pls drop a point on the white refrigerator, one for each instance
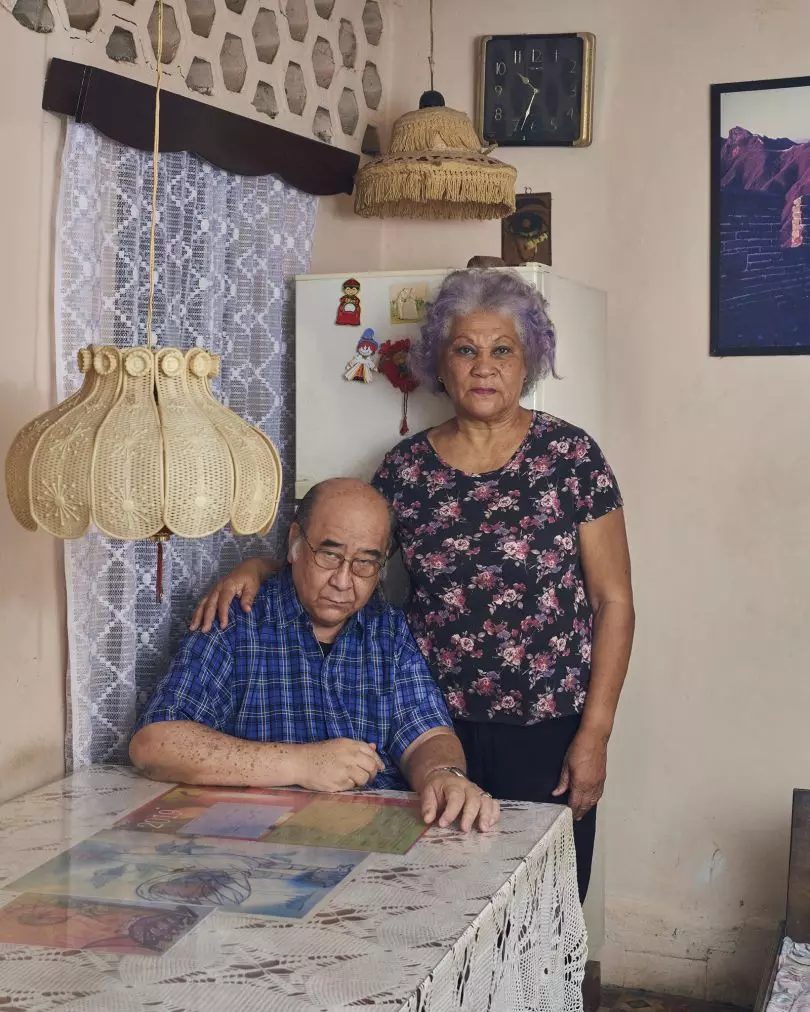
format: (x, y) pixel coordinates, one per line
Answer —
(344, 427)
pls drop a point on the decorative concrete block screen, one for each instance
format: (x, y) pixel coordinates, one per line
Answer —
(314, 67)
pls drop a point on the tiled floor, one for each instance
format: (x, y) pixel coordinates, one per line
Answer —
(614, 1000)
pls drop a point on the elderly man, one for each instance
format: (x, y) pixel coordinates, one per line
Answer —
(320, 685)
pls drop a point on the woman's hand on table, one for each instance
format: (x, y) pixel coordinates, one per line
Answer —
(242, 582)
(583, 773)
(447, 797)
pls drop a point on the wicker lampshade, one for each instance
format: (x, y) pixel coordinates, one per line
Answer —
(435, 168)
(143, 450)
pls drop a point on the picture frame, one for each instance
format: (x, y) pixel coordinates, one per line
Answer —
(526, 234)
(760, 217)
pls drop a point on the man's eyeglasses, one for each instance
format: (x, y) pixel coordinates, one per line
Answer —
(326, 558)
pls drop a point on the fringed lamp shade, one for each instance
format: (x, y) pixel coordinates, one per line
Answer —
(435, 168)
(143, 450)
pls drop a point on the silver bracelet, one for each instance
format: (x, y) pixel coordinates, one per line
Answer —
(449, 769)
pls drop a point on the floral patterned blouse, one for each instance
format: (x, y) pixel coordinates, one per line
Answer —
(498, 604)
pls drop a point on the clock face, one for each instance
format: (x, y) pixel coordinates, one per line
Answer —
(536, 89)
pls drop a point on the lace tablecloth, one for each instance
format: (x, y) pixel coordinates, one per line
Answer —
(791, 986)
(479, 922)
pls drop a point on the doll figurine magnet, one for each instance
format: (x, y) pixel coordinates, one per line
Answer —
(348, 312)
(362, 365)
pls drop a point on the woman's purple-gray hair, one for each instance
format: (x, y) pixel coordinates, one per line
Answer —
(492, 291)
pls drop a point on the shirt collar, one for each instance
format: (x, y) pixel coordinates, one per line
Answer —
(291, 610)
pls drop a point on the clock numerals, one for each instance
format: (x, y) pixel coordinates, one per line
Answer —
(500, 68)
(498, 90)
(537, 57)
(529, 128)
(518, 54)
(498, 114)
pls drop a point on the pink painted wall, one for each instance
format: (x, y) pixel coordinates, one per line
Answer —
(32, 620)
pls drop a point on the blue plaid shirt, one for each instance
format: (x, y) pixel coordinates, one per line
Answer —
(264, 678)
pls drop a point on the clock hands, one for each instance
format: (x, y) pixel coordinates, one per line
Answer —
(528, 110)
(535, 92)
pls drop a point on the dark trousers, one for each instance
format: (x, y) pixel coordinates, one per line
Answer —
(524, 764)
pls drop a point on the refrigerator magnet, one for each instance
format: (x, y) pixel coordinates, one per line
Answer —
(348, 312)
(407, 303)
(395, 365)
(361, 365)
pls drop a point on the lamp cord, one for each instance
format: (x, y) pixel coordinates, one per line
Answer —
(152, 229)
(155, 149)
(430, 58)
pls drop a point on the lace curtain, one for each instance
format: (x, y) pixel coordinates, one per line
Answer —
(227, 248)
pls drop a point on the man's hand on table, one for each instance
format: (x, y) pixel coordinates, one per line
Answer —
(340, 764)
(447, 797)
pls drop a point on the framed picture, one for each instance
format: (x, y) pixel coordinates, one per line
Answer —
(760, 217)
(407, 303)
(526, 234)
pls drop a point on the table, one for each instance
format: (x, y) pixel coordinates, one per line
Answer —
(786, 981)
(463, 923)
(791, 984)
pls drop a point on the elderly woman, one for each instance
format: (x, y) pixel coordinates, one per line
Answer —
(511, 528)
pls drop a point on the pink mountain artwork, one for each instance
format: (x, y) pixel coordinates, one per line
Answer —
(776, 166)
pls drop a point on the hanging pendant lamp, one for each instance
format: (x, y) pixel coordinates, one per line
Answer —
(436, 167)
(143, 449)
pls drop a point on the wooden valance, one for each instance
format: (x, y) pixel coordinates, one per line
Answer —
(124, 111)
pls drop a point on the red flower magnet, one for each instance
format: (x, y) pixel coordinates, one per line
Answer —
(394, 365)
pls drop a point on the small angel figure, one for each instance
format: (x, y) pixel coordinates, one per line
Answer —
(362, 364)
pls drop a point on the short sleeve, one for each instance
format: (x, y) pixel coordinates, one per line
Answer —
(383, 479)
(418, 702)
(197, 685)
(596, 491)
(384, 483)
